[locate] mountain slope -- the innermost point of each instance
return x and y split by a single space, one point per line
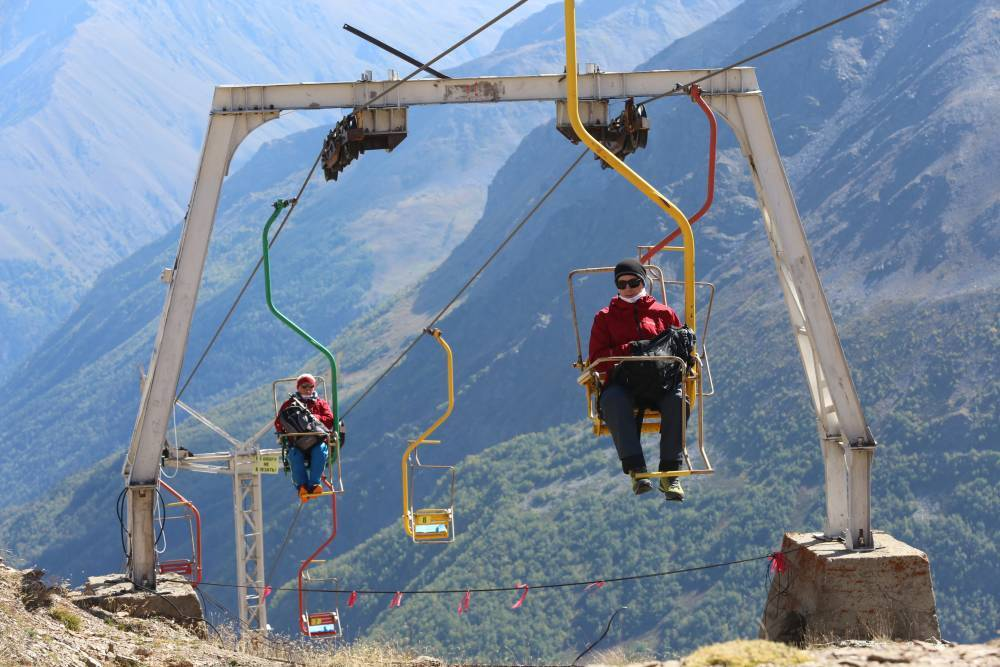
104 116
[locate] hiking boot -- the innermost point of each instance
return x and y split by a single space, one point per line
316 490
641 486
671 488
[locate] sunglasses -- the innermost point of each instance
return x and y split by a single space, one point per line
306 385
625 284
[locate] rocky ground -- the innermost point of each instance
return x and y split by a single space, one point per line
42 624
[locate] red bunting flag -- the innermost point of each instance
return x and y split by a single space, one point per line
463 606
594 585
352 599
524 593
267 591
397 600
778 562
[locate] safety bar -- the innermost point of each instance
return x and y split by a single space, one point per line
652 270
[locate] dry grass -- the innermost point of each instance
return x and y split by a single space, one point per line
369 653
321 653
618 655
69 620
746 653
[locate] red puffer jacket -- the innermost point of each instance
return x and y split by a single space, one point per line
318 406
623 322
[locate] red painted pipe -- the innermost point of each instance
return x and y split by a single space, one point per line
713 130
197 529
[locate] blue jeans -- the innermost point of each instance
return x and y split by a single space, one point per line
315 459
617 406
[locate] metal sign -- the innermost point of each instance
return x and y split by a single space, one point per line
267 464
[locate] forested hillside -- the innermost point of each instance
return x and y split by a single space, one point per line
886 147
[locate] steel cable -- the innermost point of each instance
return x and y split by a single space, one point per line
471 280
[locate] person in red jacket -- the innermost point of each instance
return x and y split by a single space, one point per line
633 315
315 455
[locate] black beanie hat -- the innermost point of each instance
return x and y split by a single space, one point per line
632 266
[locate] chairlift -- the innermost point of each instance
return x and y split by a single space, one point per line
189 567
692 387
426 525
320 624
281 389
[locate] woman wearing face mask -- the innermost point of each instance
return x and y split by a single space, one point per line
633 315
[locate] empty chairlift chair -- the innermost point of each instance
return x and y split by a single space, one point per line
430 524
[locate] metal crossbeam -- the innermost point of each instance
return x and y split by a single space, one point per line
470 90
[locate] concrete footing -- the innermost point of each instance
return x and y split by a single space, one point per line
827 592
174 598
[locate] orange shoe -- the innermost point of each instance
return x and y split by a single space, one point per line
316 490
304 493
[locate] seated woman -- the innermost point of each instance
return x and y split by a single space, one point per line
307 450
633 315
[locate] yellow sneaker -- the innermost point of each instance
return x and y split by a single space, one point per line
671 488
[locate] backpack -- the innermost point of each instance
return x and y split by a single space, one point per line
296 418
648 381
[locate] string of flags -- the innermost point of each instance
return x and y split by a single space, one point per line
777 563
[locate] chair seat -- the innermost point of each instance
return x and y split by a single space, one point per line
324 624
431 525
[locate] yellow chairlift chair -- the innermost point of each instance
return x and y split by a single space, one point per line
427 525
692 386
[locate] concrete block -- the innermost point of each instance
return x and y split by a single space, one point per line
174 598
830 593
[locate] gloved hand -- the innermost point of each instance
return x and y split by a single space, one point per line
343 434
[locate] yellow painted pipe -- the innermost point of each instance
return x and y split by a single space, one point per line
573 106
423 436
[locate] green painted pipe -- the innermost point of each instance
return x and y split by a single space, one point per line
334 406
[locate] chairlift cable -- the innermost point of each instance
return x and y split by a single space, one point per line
683 89
472 279
312 170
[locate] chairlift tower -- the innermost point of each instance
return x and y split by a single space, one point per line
237 110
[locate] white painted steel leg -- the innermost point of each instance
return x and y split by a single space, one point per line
142 465
846 442
141 500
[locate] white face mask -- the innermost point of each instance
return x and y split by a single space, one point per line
633 299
